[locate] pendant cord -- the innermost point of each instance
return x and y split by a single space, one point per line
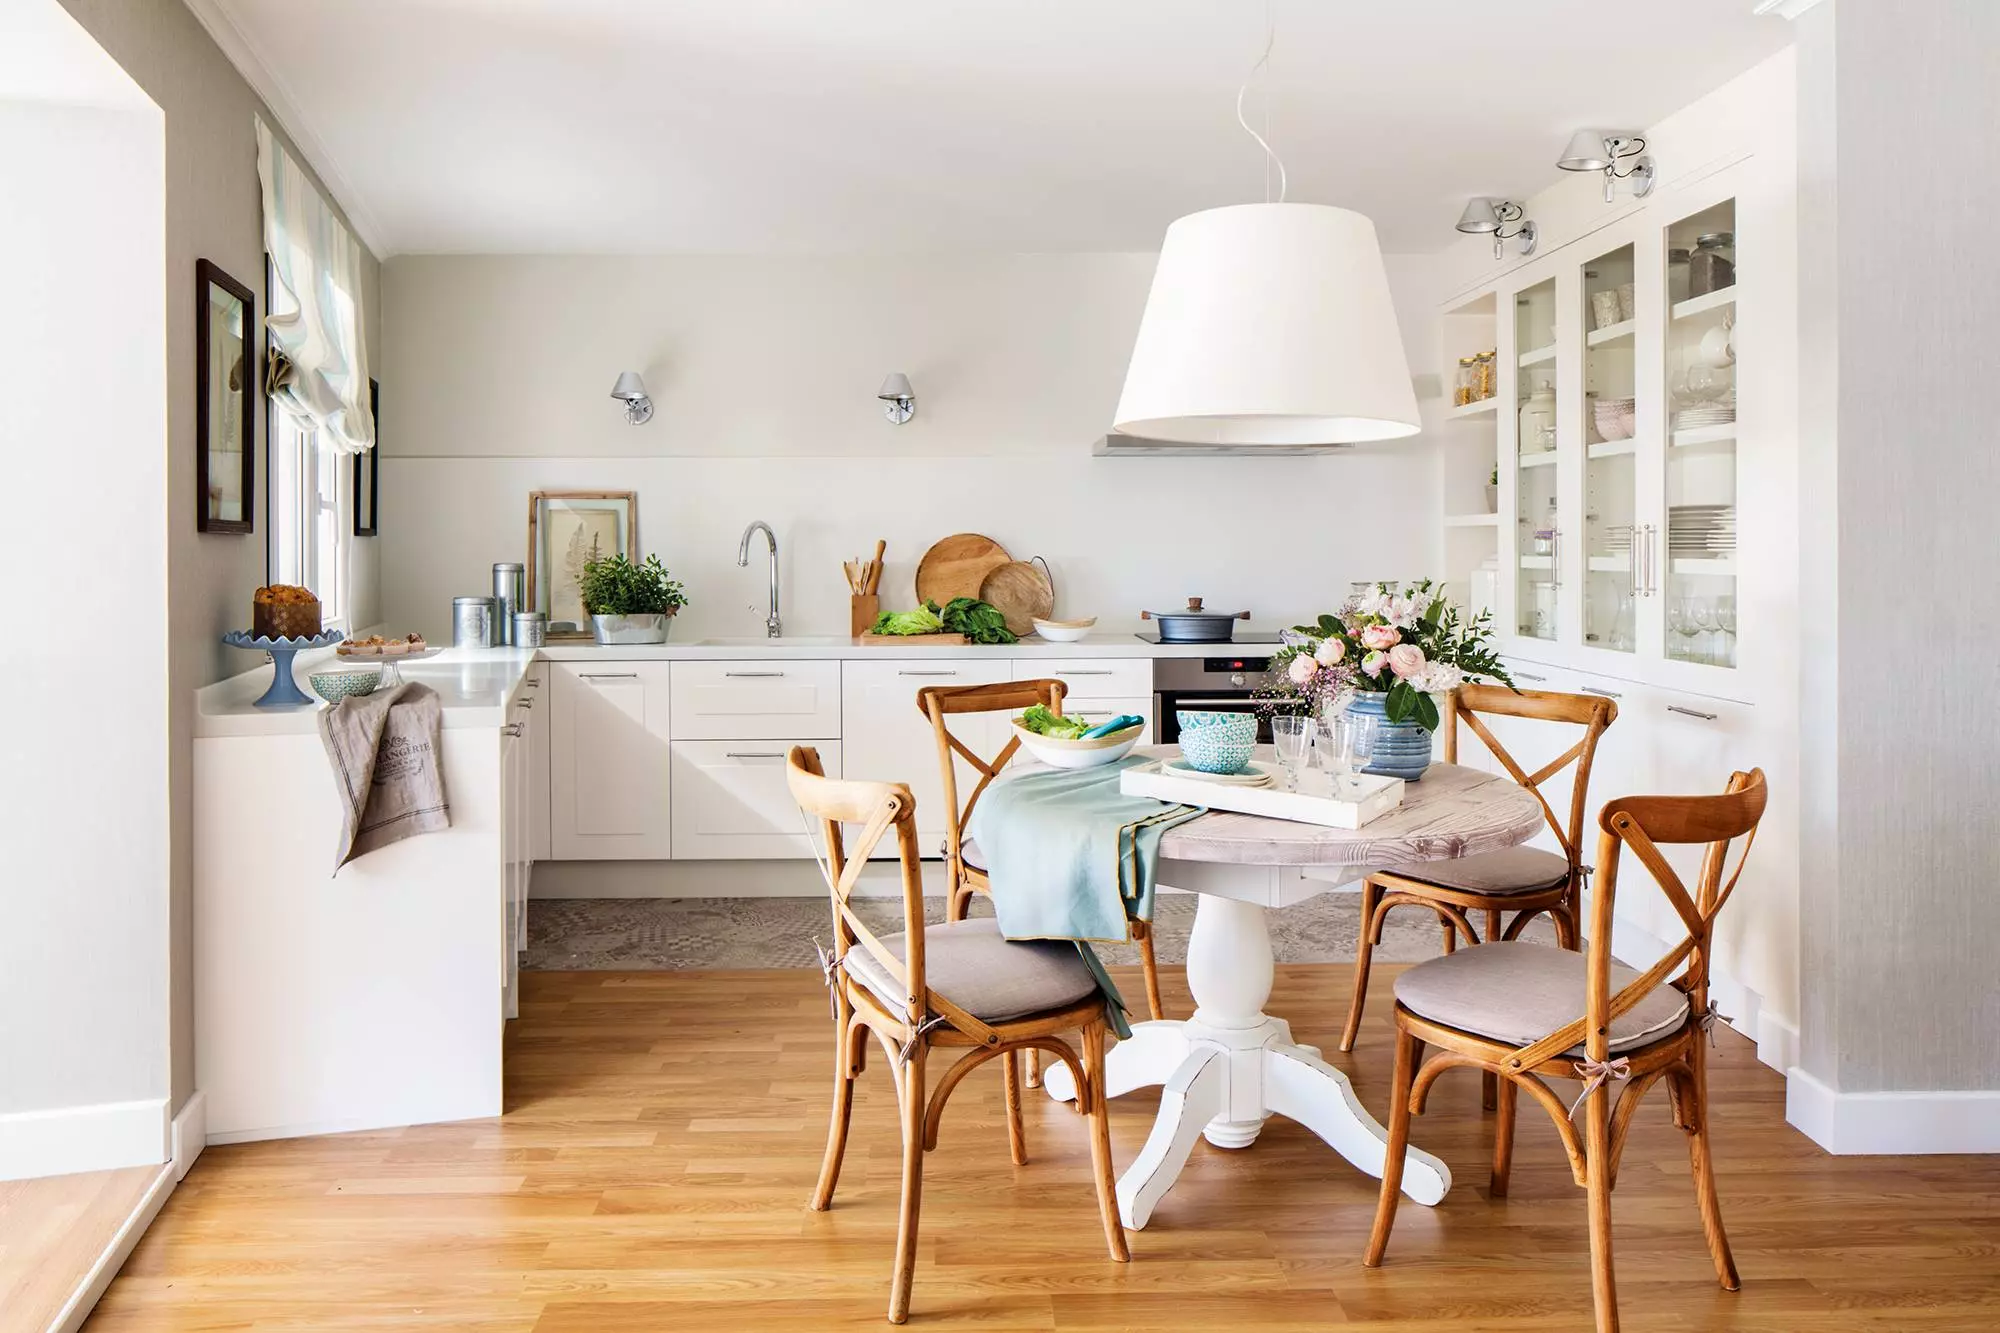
1262 67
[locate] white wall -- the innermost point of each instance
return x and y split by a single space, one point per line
84 1046
496 373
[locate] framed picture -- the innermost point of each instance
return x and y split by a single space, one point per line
566 531
225 367
367 489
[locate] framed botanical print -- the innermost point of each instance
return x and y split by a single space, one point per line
367 486
566 531
225 359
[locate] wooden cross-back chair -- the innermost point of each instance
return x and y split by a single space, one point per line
958 984
965 866
1526 881
1506 1009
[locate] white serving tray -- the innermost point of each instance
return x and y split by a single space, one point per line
1379 795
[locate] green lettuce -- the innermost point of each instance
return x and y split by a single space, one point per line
1043 722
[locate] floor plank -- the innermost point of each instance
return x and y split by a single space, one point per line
52 1232
663 1130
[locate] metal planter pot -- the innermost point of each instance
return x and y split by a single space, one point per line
631 629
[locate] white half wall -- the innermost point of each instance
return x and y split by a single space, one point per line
763 369
84 1044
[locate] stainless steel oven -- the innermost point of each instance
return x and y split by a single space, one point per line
1221 684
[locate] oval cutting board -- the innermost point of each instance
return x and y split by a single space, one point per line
1019 591
957 566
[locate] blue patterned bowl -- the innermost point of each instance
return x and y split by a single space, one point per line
1217 742
333 686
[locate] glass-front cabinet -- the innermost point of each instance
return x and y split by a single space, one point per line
1618 431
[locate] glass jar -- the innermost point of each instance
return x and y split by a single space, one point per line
1461 389
1538 419
1483 384
1712 265
1677 276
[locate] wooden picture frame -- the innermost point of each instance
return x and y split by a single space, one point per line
225 312
552 577
367 479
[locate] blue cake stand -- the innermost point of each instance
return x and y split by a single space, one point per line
284 691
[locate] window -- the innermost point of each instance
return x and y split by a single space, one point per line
308 514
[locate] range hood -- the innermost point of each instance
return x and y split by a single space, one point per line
1117 444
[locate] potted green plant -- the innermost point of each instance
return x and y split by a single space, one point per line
630 603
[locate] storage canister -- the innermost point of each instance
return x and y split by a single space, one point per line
1712 266
531 629
510 590
472 622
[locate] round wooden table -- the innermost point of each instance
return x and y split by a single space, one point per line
1231 1066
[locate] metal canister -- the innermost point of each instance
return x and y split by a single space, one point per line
472 622
510 590
531 629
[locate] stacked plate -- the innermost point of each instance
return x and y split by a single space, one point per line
1256 775
1701 530
1615 538
1706 414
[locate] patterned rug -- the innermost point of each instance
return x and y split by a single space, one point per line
718 934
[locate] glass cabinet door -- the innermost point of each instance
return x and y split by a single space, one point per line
1608 293
1537 520
1691 560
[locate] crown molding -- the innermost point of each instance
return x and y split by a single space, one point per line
241 52
1784 9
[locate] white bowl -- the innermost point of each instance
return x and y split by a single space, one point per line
1063 631
1098 750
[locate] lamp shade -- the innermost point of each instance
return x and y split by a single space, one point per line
896 386
1479 216
1269 324
1586 152
629 387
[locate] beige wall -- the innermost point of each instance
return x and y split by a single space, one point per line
1901 910
213 213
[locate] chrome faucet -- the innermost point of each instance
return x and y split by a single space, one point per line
772 625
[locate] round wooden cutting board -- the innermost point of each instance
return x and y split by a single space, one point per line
1021 592
957 566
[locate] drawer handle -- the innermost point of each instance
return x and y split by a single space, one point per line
751 754
511 729
1092 672
755 675
1523 675
927 673
524 703
608 675
1692 712
1607 694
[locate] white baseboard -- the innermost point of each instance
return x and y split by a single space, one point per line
189 1134
1903 1123
69 1139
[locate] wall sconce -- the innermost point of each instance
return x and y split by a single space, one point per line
1604 150
1496 216
631 391
899 400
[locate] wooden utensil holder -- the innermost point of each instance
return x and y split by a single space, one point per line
862 610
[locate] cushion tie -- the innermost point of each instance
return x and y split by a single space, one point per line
1708 1020
1597 1073
829 965
923 1029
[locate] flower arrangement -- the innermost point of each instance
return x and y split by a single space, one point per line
1407 642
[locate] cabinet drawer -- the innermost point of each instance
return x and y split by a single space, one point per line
731 800
1091 677
756 700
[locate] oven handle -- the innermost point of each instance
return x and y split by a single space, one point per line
1235 701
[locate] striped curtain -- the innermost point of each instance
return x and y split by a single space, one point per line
318 367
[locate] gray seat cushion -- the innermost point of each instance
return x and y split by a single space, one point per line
1510 870
981 971
1520 993
969 849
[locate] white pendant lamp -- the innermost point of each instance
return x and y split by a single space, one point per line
1269 324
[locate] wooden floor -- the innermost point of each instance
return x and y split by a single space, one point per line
52 1232
663 1131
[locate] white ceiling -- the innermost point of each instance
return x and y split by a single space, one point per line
898 125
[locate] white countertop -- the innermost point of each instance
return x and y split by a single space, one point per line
476 684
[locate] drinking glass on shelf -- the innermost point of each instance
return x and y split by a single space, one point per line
1682 624
1293 737
1725 615
1709 617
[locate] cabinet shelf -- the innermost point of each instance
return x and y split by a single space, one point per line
1610 564
1687 564
1472 520
1701 305
1539 355
1485 407
1613 449
1536 561
1546 458
1615 333
1699 436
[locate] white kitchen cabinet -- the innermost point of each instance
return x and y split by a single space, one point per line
886 739
1091 677
753 700
610 771
731 800
540 732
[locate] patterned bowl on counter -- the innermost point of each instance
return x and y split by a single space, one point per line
1217 742
348 683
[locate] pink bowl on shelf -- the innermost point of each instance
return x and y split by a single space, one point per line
1615 417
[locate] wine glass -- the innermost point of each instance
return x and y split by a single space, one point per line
1709 616
1346 743
1681 621
1725 619
1293 737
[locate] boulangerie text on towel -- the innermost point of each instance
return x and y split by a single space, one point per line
387 752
